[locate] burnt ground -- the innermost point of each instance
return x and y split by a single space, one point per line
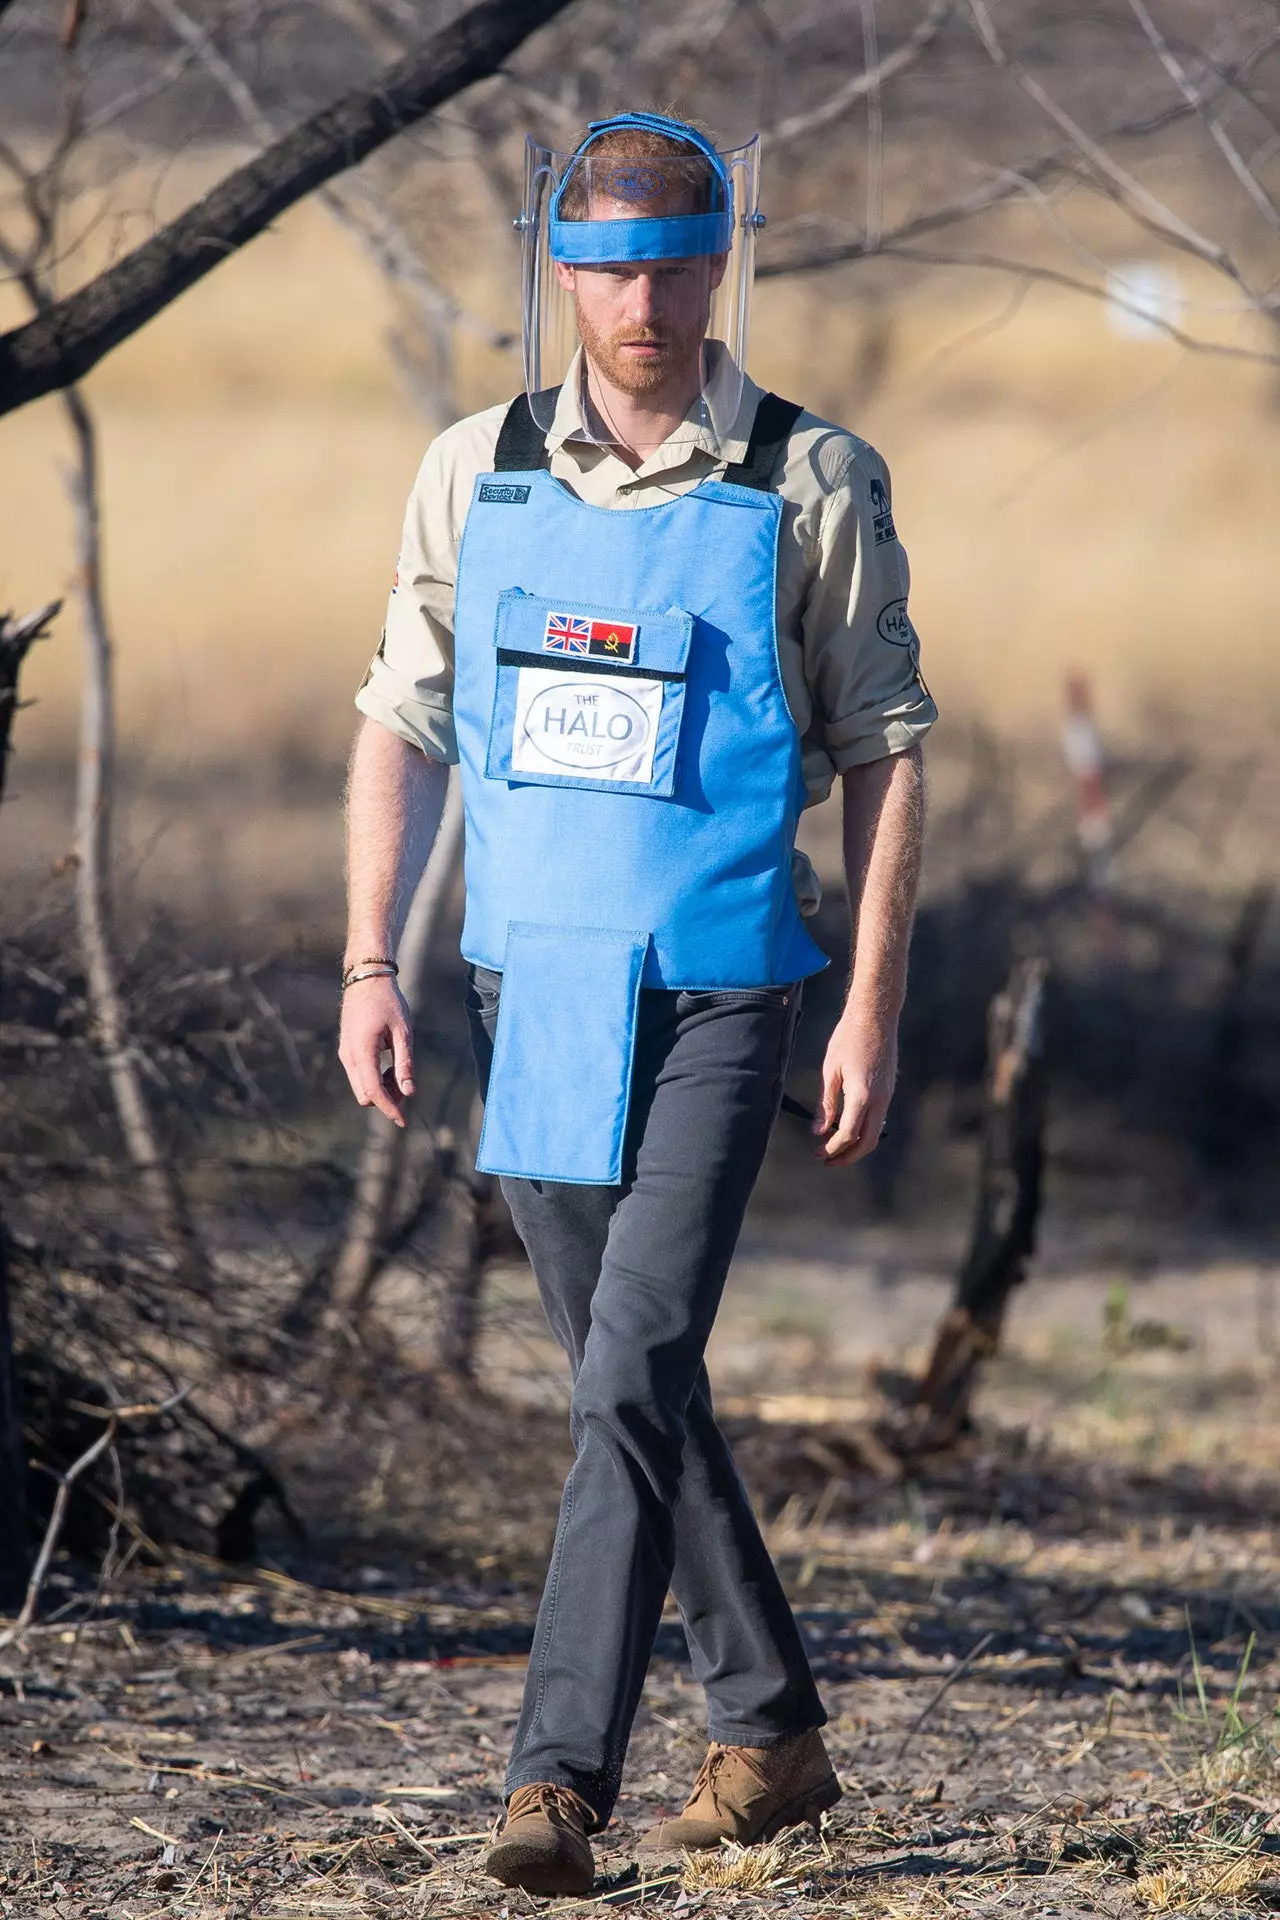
1052 1681
321 1729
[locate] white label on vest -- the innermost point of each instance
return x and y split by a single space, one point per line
600 726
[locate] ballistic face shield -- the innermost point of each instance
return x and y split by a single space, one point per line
683 219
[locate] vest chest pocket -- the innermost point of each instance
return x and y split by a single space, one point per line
587 696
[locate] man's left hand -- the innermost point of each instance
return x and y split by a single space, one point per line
858 1075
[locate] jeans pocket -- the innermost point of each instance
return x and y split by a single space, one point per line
484 984
482 994
779 997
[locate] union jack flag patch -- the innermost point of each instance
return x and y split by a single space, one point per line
565 634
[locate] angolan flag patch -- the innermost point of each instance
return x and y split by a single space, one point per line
598 639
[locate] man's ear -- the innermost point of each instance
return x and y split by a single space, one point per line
564 275
719 267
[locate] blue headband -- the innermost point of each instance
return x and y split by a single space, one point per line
679 237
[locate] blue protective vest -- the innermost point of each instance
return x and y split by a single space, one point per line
631 779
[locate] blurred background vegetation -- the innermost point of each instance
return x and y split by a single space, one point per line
1030 255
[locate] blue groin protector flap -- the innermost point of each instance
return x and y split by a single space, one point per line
560 1085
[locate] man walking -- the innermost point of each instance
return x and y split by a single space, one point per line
653 612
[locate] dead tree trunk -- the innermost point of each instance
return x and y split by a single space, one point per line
369 1221
161 1193
16 639
1004 1228
14 1539
1231 1121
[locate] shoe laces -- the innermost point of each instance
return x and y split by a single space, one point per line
560 1804
710 1769
707 1773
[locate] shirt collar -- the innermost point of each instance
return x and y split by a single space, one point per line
720 418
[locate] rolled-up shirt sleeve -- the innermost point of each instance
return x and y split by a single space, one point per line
408 687
862 653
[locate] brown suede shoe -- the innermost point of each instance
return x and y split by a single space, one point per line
749 1794
543 1846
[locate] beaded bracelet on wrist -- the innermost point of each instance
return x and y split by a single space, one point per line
370 969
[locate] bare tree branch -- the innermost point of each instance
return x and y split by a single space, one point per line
1217 132
72 23
1127 188
66 1481
566 123
161 1191
1097 167
52 1532
1052 276
875 122
352 205
930 26
60 346
1006 185
698 27
17 636
124 103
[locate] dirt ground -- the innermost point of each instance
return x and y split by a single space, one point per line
1051 1658
1051 1662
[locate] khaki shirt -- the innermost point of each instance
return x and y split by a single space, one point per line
849 655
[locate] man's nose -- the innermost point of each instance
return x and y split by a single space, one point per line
642 299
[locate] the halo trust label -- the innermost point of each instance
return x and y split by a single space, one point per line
600 726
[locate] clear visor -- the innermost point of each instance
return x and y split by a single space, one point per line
669 283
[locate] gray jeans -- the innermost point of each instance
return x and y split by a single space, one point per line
630 1279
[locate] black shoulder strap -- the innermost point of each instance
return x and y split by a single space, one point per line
522 445
770 431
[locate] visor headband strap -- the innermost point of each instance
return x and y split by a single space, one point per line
679 237
585 243
654 123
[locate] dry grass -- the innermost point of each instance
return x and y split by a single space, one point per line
1206 1881
736 1869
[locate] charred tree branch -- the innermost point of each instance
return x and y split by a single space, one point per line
17 637
1009 1189
59 346
66 1481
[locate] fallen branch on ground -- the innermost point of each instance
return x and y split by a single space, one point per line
66 1480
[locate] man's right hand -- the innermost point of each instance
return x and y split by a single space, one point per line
375 1020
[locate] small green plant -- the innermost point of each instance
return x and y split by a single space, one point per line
1235 1752
1122 1334
1115 1319
794 1322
